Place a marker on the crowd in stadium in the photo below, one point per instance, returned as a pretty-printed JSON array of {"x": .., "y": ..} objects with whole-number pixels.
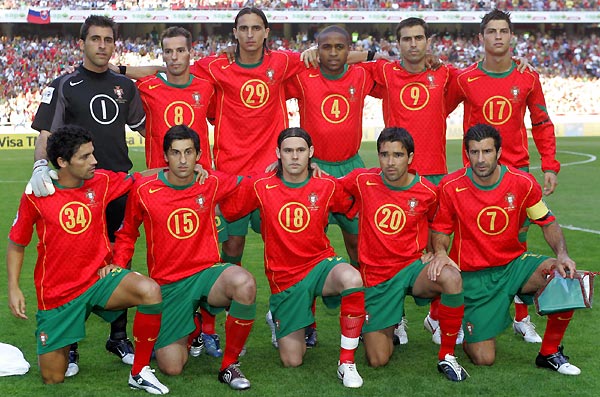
[
  {"x": 570, "y": 66},
  {"x": 457, "y": 5}
]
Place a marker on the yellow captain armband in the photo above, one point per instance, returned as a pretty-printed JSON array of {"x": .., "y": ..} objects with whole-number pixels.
[{"x": 538, "y": 211}]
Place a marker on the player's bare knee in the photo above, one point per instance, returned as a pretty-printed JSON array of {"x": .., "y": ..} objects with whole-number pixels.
[
  {"x": 150, "y": 291},
  {"x": 351, "y": 278},
  {"x": 52, "y": 378},
  {"x": 482, "y": 357},
  {"x": 291, "y": 361},
  {"x": 171, "y": 369},
  {"x": 377, "y": 359},
  {"x": 450, "y": 280}
]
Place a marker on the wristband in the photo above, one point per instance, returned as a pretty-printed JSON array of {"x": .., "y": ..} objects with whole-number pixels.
[
  {"x": 370, "y": 55},
  {"x": 122, "y": 69},
  {"x": 40, "y": 163}
]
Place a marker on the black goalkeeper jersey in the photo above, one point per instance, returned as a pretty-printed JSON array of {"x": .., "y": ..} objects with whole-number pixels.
[{"x": 103, "y": 103}]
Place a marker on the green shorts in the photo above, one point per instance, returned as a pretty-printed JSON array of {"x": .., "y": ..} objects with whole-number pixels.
[
  {"x": 221, "y": 225},
  {"x": 339, "y": 169},
  {"x": 181, "y": 300},
  {"x": 435, "y": 179},
  {"x": 490, "y": 292},
  {"x": 64, "y": 325},
  {"x": 291, "y": 309},
  {"x": 384, "y": 302},
  {"x": 240, "y": 227}
]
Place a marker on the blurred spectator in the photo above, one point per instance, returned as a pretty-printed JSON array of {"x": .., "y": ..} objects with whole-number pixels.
[{"x": 569, "y": 66}]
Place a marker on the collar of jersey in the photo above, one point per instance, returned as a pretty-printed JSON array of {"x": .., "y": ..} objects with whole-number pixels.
[
  {"x": 58, "y": 185},
  {"x": 163, "y": 77},
  {"x": 92, "y": 73},
  {"x": 406, "y": 70},
  {"x": 491, "y": 187},
  {"x": 494, "y": 74},
  {"x": 295, "y": 185},
  {"x": 163, "y": 178},
  {"x": 400, "y": 188},
  {"x": 249, "y": 65},
  {"x": 335, "y": 76}
]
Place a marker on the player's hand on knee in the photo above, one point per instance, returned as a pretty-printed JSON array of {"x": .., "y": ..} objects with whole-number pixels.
[
  {"x": 105, "y": 271},
  {"x": 40, "y": 183}
]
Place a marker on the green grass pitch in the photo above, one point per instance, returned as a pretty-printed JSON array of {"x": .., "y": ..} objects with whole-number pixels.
[{"x": 412, "y": 370}]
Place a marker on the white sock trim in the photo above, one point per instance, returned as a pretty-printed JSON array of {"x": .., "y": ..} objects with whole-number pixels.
[{"x": 349, "y": 343}]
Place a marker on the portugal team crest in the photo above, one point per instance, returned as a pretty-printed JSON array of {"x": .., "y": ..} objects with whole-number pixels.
[
  {"x": 270, "y": 75},
  {"x": 515, "y": 93},
  {"x": 352, "y": 92},
  {"x": 312, "y": 199},
  {"x": 412, "y": 205},
  {"x": 510, "y": 201},
  {"x": 431, "y": 80},
  {"x": 91, "y": 196},
  {"x": 197, "y": 98},
  {"x": 200, "y": 201},
  {"x": 43, "y": 338},
  {"x": 119, "y": 92}
]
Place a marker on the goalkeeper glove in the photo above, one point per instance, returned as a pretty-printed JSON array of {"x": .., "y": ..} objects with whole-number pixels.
[{"x": 40, "y": 183}]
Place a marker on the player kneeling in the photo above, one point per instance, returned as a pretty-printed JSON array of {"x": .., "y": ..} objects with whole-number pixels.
[
  {"x": 73, "y": 277},
  {"x": 395, "y": 209},
  {"x": 183, "y": 256},
  {"x": 485, "y": 205}
]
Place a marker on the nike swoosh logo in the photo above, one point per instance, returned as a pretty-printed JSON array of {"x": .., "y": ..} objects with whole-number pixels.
[
  {"x": 152, "y": 339},
  {"x": 313, "y": 75},
  {"x": 271, "y": 186},
  {"x": 471, "y": 79},
  {"x": 369, "y": 183},
  {"x": 460, "y": 189},
  {"x": 224, "y": 67},
  {"x": 238, "y": 322},
  {"x": 151, "y": 87},
  {"x": 154, "y": 190},
  {"x": 397, "y": 68},
  {"x": 73, "y": 84}
]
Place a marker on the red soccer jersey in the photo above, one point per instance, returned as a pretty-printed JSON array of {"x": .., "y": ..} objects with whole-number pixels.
[
  {"x": 486, "y": 220},
  {"x": 250, "y": 109},
  {"x": 331, "y": 109},
  {"x": 73, "y": 241},
  {"x": 181, "y": 235},
  {"x": 501, "y": 99},
  {"x": 417, "y": 102},
  {"x": 293, "y": 222},
  {"x": 169, "y": 104},
  {"x": 393, "y": 222}
]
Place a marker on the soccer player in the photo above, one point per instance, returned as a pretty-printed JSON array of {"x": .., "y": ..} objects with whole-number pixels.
[
  {"x": 414, "y": 95},
  {"x": 102, "y": 102},
  {"x": 395, "y": 208},
  {"x": 178, "y": 216},
  {"x": 485, "y": 206},
  {"x": 299, "y": 260},
  {"x": 72, "y": 286},
  {"x": 331, "y": 101},
  {"x": 495, "y": 93},
  {"x": 175, "y": 97}
]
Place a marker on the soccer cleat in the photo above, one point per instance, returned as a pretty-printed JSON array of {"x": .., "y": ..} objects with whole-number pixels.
[
  {"x": 271, "y": 324},
  {"x": 73, "y": 367},
  {"x": 527, "y": 329},
  {"x": 433, "y": 326},
  {"x": 557, "y": 362},
  {"x": 349, "y": 375},
  {"x": 310, "y": 337},
  {"x": 197, "y": 346},
  {"x": 452, "y": 369},
  {"x": 122, "y": 348},
  {"x": 243, "y": 351},
  {"x": 212, "y": 344},
  {"x": 146, "y": 380},
  {"x": 400, "y": 335},
  {"x": 234, "y": 377}
]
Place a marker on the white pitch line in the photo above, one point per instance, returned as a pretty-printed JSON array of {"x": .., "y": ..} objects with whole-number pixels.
[
  {"x": 580, "y": 229},
  {"x": 590, "y": 159}
]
